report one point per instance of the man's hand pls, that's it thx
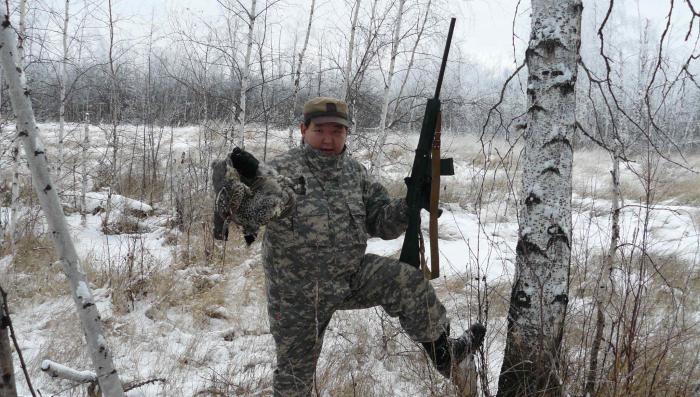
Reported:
(245, 163)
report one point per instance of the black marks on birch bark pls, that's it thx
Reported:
(535, 107)
(549, 45)
(561, 298)
(18, 69)
(23, 133)
(557, 234)
(27, 92)
(39, 152)
(522, 299)
(577, 9)
(526, 248)
(552, 169)
(531, 200)
(47, 188)
(565, 87)
(5, 23)
(559, 138)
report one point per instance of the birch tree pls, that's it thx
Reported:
(539, 296)
(114, 104)
(14, 200)
(297, 78)
(245, 78)
(36, 157)
(351, 48)
(62, 93)
(378, 151)
(84, 161)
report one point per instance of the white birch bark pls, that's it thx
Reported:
(4, 220)
(113, 108)
(14, 200)
(603, 293)
(245, 80)
(233, 38)
(62, 94)
(7, 369)
(539, 296)
(22, 31)
(351, 49)
(378, 155)
(84, 161)
(320, 69)
(27, 130)
(297, 79)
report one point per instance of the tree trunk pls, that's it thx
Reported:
(48, 197)
(603, 293)
(7, 369)
(113, 107)
(378, 152)
(233, 38)
(245, 79)
(62, 95)
(14, 201)
(297, 79)
(532, 362)
(351, 48)
(84, 160)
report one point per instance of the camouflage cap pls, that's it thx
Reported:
(326, 110)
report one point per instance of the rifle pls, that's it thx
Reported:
(427, 168)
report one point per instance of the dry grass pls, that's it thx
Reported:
(33, 274)
(650, 338)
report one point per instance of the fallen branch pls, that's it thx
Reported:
(56, 370)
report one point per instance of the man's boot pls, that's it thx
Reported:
(446, 351)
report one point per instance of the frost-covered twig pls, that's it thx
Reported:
(48, 197)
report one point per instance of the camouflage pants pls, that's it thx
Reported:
(399, 288)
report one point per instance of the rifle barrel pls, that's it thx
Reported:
(444, 57)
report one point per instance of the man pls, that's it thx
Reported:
(315, 262)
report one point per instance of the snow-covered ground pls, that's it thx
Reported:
(179, 313)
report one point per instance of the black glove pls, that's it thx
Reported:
(245, 163)
(478, 332)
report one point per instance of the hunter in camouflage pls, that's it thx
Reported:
(315, 262)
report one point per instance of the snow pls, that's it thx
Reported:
(234, 349)
(98, 200)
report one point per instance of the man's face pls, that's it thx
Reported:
(329, 138)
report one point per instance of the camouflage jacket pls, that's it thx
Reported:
(318, 247)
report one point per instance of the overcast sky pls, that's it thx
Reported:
(483, 31)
